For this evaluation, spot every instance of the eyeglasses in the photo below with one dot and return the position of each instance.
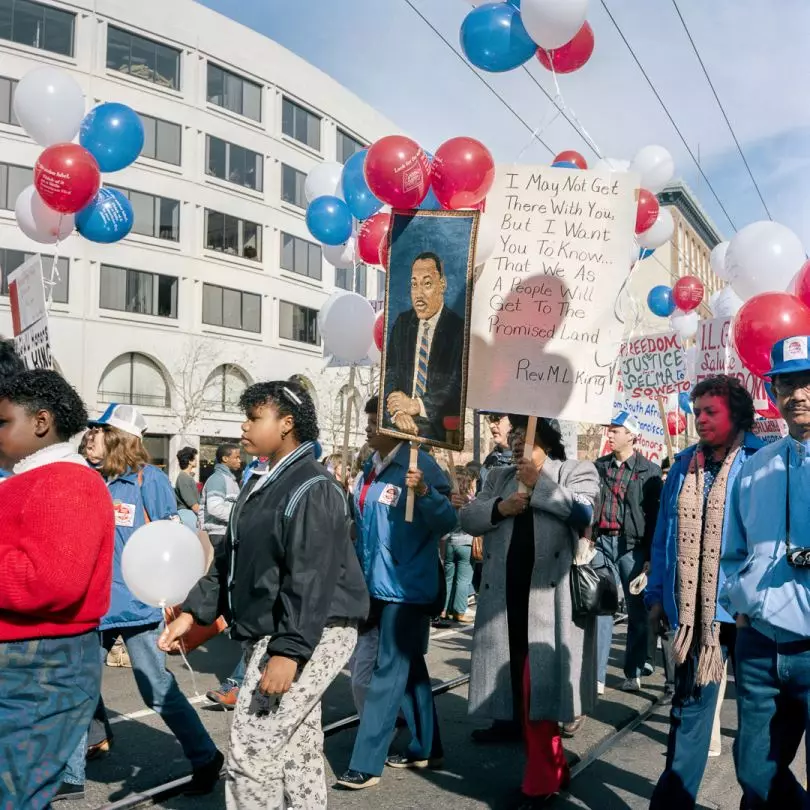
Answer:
(798, 557)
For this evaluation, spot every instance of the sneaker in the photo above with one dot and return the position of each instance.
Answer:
(500, 731)
(404, 761)
(648, 670)
(357, 780)
(118, 656)
(225, 696)
(631, 685)
(68, 792)
(600, 688)
(204, 779)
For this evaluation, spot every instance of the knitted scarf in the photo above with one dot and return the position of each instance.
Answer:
(699, 545)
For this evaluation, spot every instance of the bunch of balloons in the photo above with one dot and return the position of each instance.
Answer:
(66, 191)
(347, 323)
(497, 37)
(346, 210)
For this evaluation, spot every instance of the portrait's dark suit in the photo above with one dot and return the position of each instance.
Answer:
(443, 390)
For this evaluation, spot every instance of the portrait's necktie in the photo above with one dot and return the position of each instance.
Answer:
(422, 367)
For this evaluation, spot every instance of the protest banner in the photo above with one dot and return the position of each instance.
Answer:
(653, 366)
(544, 332)
(770, 430)
(29, 314)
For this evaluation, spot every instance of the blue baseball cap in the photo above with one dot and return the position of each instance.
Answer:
(790, 355)
(627, 421)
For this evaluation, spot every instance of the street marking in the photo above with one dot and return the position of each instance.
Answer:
(147, 712)
(448, 633)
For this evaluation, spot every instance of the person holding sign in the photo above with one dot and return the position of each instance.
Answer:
(524, 623)
(685, 577)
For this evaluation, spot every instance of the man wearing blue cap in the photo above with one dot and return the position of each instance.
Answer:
(767, 568)
(629, 497)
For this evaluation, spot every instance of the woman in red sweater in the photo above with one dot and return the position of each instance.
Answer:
(56, 547)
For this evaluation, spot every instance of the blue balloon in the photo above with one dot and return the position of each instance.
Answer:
(493, 38)
(770, 394)
(645, 253)
(362, 203)
(109, 218)
(329, 220)
(113, 134)
(684, 402)
(660, 302)
(564, 164)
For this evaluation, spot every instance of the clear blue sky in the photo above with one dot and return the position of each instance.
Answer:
(755, 53)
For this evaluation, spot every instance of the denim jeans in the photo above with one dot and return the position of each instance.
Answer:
(626, 565)
(458, 572)
(159, 691)
(237, 677)
(48, 690)
(773, 705)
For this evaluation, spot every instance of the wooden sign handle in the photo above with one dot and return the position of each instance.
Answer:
(413, 462)
(667, 437)
(528, 448)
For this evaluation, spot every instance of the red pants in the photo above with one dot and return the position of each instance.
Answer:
(546, 767)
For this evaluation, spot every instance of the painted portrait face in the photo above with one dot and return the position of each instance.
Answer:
(427, 288)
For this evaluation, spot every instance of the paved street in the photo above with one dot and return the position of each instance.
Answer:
(146, 755)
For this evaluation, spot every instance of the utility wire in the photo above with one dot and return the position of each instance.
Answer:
(722, 109)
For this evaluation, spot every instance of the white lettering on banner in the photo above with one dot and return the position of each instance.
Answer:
(653, 366)
(543, 310)
(770, 430)
(651, 442)
(34, 345)
(27, 294)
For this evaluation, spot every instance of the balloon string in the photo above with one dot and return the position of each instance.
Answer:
(166, 619)
(562, 106)
(54, 278)
(545, 124)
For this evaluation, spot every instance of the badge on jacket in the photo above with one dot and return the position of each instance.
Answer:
(390, 495)
(124, 514)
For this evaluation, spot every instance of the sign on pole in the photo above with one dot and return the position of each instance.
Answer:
(653, 366)
(544, 331)
(29, 314)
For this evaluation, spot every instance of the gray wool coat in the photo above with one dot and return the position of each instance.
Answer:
(562, 653)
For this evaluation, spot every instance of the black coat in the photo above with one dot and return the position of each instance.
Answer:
(641, 501)
(445, 369)
(288, 566)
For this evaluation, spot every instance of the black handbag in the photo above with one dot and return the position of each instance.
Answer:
(593, 591)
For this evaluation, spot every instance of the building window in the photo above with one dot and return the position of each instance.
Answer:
(301, 257)
(143, 58)
(292, 186)
(37, 25)
(158, 217)
(157, 445)
(343, 278)
(224, 388)
(360, 279)
(10, 260)
(134, 379)
(138, 292)
(7, 88)
(298, 323)
(232, 309)
(13, 179)
(300, 124)
(233, 163)
(380, 285)
(358, 274)
(347, 146)
(162, 140)
(234, 236)
(232, 92)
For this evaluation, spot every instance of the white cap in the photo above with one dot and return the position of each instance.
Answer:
(123, 417)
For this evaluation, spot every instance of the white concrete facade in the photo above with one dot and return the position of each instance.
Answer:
(86, 337)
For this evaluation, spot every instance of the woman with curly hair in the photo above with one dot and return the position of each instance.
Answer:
(56, 549)
(685, 577)
(293, 592)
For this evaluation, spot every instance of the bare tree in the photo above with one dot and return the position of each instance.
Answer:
(338, 395)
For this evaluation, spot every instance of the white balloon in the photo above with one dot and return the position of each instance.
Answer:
(341, 256)
(717, 260)
(323, 180)
(49, 104)
(691, 364)
(324, 311)
(374, 354)
(552, 23)
(608, 164)
(40, 223)
(348, 327)
(763, 257)
(656, 167)
(487, 238)
(162, 561)
(725, 303)
(684, 323)
(660, 233)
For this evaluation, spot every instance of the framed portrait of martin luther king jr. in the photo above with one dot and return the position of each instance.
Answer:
(428, 301)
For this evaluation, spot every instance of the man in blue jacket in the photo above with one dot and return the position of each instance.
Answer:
(400, 562)
(767, 588)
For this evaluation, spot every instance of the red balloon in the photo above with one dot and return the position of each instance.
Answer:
(67, 177)
(371, 234)
(463, 173)
(397, 171)
(385, 254)
(802, 283)
(676, 423)
(770, 411)
(764, 319)
(570, 156)
(647, 211)
(379, 327)
(571, 56)
(688, 293)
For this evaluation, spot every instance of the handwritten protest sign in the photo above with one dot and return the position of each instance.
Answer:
(544, 332)
(654, 366)
(29, 314)
(651, 441)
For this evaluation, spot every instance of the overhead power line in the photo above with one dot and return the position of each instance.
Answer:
(722, 109)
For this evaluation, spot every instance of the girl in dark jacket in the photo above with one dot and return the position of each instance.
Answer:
(294, 593)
